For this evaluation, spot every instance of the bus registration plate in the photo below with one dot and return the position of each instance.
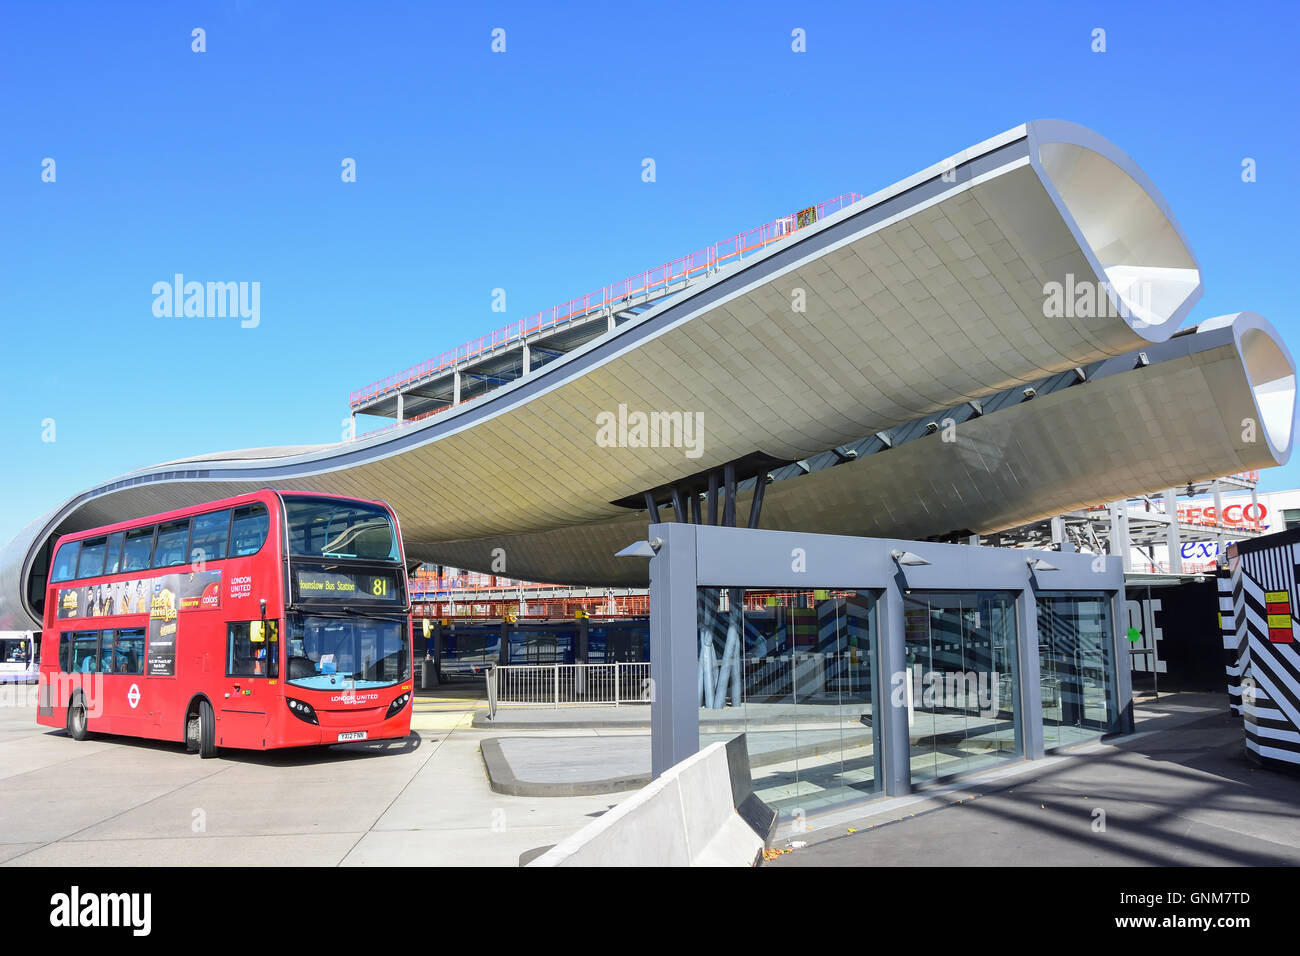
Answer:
(353, 735)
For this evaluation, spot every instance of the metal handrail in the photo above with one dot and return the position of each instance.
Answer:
(706, 260)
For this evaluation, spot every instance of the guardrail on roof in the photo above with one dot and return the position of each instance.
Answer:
(703, 261)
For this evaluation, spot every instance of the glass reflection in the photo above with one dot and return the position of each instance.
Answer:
(960, 684)
(1076, 667)
(793, 669)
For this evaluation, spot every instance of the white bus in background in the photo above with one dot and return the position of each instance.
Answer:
(20, 657)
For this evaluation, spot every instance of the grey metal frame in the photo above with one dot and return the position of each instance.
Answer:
(693, 556)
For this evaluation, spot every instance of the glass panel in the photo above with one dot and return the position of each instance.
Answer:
(209, 540)
(85, 651)
(170, 549)
(339, 528)
(106, 652)
(113, 560)
(248, 533)
(91, 562)
(128, 648)
(327, 651)
(65, 562)
(467, 650)
(961, 680)
(137, 548)
(248, 658)
(535, 645)
(1075, 667)
(793, 669)
(65, 652)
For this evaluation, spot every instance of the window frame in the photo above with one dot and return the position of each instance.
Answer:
(152, 534)
(272, 659)
(230, 534)
(81, 553)
(194, 520)
(158, 533)
(54, 578)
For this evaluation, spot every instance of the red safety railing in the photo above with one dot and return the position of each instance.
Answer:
(704, 261)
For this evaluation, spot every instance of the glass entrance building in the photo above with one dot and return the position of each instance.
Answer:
(868, 667)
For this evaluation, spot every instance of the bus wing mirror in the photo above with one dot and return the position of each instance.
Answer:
(256, 632)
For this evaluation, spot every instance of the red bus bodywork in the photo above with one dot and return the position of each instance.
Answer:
(183, 665)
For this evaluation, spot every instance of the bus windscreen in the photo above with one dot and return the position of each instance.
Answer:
(332, 528)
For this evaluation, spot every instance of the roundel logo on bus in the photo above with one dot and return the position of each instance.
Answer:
(133, 696)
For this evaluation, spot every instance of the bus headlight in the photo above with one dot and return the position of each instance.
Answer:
(302, 710)
(396, 706)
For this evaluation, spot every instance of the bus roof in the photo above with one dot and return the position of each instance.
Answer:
(265, 495)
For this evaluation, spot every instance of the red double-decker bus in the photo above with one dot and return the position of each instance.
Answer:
(272, 619)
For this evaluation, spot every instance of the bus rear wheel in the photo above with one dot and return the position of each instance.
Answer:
(78, 724)
(207, 743)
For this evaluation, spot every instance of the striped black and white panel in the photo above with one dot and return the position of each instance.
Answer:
(1229, 580)
(1270, 680)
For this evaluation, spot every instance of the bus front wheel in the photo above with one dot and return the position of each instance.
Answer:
(207, 737)
(78, 728)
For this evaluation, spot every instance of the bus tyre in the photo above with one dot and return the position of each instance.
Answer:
(207, 731)
(78, 724)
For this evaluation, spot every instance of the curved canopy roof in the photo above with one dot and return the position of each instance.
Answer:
(1024, 257)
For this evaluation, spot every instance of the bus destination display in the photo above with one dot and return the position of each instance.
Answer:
(348, 586)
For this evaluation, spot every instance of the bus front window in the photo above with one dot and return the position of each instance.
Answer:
(327, 651)
(14, 651)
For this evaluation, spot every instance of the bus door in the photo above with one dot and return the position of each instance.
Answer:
(129, 705)
(252, 662)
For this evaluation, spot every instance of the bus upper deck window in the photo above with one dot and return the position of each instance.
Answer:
(65, 562)
(91, 562)
(137, 548)
(248, 530)
(169, 551)
(208, 543)
(113, 560)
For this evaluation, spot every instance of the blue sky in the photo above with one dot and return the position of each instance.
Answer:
(522, 171)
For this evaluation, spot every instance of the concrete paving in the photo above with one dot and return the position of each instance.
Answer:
(1178, 792)
(119, 801)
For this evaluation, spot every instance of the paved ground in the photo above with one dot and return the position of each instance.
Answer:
(1179, 792)
(423, 801)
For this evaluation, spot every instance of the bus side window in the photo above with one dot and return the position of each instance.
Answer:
(248, 530)
(113, 559)
(65, 562)
(106, 662)
(138, 547)
(65, 652)
(246, 657)
(85, 651)
(129, 651)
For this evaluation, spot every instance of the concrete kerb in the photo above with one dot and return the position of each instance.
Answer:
(502, 779)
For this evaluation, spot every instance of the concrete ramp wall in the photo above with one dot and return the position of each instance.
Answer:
(686, 817)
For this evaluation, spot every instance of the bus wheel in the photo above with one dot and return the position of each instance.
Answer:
(77, 722)
(207, 731)
(192, 733)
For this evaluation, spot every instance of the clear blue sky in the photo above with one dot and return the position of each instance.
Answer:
(523, 171)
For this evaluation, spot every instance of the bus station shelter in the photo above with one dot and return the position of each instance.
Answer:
(858, 667)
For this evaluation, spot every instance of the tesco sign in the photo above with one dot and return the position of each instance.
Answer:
(1250, 513)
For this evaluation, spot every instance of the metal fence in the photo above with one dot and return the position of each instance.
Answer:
(573, 685)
